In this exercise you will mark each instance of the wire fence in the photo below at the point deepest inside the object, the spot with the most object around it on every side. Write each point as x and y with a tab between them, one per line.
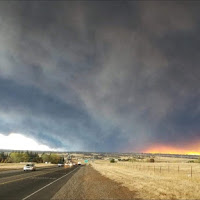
172	169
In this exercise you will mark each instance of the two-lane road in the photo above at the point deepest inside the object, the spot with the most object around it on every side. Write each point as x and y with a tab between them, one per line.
40	184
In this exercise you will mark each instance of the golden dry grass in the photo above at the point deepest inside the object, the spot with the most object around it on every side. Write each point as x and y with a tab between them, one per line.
13	166
141	178
172	159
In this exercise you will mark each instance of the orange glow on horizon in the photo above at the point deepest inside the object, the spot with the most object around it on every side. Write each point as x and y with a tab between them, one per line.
165	149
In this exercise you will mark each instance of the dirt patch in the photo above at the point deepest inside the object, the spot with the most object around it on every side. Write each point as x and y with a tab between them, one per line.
87	183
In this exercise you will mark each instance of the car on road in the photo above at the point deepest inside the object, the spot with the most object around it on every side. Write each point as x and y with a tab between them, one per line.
29	167
79	163
60	164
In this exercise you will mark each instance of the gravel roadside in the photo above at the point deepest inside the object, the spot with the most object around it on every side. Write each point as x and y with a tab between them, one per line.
87	183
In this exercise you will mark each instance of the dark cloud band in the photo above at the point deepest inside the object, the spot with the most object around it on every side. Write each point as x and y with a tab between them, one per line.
99	75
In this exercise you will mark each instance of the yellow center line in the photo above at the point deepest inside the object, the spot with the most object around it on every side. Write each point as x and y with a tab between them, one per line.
26	177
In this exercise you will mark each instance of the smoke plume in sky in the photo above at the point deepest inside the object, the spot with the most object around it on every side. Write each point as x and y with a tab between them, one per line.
101	76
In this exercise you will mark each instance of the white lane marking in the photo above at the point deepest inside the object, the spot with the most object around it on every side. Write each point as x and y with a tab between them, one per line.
23	176
42	178
49	184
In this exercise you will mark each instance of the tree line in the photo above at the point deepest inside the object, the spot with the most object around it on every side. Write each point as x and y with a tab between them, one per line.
16	157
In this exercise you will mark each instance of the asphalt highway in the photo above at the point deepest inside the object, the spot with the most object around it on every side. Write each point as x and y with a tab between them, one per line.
40	184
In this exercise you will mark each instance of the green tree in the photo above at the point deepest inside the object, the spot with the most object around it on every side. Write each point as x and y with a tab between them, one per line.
25	157
46	158
3	157
55	159
14	157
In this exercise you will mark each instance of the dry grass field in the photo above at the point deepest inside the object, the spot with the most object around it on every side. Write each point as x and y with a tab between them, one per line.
172	159
13	166
164	180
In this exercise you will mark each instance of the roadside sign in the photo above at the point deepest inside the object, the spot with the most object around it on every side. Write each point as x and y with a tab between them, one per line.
86	161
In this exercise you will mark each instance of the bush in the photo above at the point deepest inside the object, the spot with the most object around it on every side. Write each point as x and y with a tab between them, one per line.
151	160
112	160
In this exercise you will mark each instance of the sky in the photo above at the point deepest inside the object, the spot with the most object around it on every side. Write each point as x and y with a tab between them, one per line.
118	76
19	142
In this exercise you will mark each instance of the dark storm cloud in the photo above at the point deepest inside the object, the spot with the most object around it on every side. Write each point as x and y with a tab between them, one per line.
38	115
114	75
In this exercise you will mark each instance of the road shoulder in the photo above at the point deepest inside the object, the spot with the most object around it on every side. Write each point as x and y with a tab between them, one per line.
87	183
